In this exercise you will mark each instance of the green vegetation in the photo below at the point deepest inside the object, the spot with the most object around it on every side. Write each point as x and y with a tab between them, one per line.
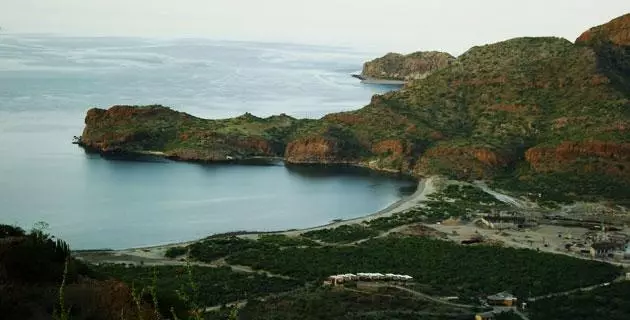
322	303
40	280
214	248
216	286
286	241
454	201
609	302
174	252
211	249
342	234
445	266
36	256
563	187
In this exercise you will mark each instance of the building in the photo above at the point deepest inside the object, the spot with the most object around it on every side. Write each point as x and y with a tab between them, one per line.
340	278
343	278
502	299
628	276
603	249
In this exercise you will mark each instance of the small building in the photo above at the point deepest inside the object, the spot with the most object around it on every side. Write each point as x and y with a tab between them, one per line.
628	276
502	299
603	249
339	279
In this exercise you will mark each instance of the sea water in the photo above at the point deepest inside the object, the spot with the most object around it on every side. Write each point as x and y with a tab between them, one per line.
47	83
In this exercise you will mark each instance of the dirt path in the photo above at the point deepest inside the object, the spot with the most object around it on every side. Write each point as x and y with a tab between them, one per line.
431	298
583	289
521	204
151	260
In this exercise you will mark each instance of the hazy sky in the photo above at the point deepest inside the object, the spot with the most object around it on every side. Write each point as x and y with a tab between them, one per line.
384	25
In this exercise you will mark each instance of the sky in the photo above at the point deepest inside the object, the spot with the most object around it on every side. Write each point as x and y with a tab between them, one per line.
385	25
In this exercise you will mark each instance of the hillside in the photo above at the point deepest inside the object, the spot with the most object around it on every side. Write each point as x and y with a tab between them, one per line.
542	113
40	280
417	65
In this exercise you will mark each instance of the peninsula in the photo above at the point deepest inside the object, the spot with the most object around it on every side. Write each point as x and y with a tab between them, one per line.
547	114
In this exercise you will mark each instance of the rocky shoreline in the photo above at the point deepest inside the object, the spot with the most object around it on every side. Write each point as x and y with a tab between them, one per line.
254	160
368	80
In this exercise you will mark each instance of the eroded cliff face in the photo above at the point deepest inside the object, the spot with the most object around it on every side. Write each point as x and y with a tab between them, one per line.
395	66
121	127
603	157
334	146
462	162
314	150
617	32
611	42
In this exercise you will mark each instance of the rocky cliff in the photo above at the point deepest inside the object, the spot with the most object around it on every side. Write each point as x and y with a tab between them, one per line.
178	135
417	65
526	107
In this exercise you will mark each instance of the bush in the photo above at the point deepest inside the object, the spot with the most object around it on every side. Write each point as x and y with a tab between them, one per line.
342	234
174	252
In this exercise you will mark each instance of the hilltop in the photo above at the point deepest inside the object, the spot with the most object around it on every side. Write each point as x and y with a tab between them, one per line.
539	114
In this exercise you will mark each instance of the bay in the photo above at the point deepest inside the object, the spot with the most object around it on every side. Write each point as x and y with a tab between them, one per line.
47	83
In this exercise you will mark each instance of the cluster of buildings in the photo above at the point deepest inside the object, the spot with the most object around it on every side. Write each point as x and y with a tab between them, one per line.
602	245
341	278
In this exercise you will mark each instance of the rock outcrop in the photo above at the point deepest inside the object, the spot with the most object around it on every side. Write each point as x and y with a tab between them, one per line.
413	66
160	130
616	31
597	157
536	106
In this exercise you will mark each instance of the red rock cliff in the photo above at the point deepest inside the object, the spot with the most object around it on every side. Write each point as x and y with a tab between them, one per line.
314	150
617	31
584	157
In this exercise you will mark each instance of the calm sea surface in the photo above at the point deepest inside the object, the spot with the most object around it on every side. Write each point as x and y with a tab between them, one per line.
47	84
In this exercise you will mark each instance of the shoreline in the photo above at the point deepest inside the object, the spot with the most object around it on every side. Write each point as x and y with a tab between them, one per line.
369	80
425	187
259	160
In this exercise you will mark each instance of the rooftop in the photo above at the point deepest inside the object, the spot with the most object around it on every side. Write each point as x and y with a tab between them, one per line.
502	296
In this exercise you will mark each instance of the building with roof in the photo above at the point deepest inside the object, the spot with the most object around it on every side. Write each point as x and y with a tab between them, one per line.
604	249
502	299
365	276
